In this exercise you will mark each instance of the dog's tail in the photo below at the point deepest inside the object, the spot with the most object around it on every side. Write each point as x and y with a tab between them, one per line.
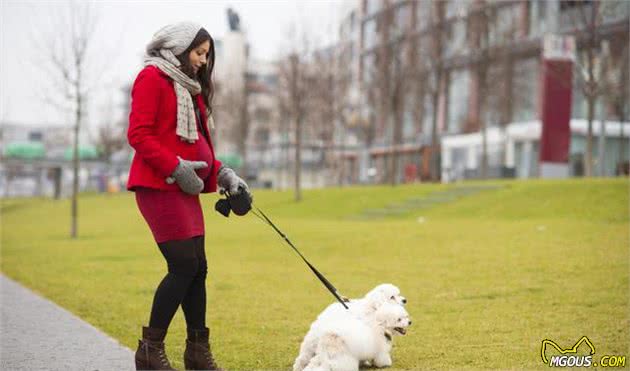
332	354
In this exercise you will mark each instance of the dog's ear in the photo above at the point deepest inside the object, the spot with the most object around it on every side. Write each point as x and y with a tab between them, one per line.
387	314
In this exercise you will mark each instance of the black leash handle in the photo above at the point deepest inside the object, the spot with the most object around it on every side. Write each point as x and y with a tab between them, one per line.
321	277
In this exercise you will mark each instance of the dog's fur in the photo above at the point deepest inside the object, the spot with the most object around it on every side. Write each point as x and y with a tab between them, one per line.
339	339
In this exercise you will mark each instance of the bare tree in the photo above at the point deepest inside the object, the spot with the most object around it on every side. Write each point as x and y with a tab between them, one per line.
110	135
504	85
325	105
284	117
294	77
394	80
69	47
434	47
403	70
586	19
615	84
619	100
481	20
226	111
329	108
244	125
232	111
298	95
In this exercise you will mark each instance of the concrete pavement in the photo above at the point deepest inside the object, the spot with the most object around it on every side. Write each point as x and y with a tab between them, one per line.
37	334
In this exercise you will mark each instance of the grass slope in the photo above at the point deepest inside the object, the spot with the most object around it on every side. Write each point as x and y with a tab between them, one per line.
488	274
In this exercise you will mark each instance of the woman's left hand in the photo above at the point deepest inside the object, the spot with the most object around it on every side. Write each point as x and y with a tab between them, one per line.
232	183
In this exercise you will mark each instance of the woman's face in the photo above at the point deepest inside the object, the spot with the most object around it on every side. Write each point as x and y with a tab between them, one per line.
197	56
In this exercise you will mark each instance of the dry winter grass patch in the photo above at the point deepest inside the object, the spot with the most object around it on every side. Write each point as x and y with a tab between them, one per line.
488	274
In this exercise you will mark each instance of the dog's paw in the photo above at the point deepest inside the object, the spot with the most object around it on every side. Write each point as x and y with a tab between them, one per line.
383	360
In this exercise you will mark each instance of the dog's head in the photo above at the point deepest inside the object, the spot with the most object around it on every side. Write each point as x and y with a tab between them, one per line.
385	293
393	319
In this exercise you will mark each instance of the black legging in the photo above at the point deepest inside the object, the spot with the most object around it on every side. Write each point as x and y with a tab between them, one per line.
185	284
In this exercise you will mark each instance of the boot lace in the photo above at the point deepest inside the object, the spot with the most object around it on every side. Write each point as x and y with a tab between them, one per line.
161	353
209	358
163	359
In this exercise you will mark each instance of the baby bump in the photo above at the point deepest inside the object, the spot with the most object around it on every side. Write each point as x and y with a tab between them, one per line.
203	153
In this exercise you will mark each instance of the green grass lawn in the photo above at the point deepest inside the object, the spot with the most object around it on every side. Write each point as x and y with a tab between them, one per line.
488	274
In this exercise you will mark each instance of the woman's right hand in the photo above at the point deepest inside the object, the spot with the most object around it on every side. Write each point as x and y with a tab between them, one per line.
186	177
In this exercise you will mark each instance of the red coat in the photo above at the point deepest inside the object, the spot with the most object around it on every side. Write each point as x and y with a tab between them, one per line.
151	132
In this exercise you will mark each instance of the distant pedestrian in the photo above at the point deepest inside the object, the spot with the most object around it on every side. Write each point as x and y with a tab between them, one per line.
174	162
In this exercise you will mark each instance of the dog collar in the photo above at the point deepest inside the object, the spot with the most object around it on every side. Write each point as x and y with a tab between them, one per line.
388	336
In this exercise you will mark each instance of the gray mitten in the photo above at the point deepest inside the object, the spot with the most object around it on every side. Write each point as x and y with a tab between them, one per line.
186	177
228	180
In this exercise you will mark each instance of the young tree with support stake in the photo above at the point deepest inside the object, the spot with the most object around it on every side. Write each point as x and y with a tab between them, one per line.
70	49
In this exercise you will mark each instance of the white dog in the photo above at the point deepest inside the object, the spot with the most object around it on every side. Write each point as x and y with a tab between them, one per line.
362	312
381	294
346	341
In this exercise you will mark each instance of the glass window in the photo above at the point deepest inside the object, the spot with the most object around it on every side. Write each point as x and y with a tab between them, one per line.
507	20
368	68
575	14
457	8
262	114
525	89
402	20
613	10
218	48
495	95
36	136
423	14
352	21
372	6
456	43
458	100
427	118
370	33
578	100
408	118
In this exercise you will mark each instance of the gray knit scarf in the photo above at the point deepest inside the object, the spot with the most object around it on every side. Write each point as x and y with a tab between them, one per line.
166	43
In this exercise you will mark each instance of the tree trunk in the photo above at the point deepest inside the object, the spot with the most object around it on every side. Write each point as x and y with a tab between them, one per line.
482	123
75	168
434	127
393	159
588	158
621	104
621	144
298	158
341	164
601	146
296	99
244	128
484	150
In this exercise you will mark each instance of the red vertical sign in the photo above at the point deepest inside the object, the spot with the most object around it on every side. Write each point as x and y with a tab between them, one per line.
555	108
556	111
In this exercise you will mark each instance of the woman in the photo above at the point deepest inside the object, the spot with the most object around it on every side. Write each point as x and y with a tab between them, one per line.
174	162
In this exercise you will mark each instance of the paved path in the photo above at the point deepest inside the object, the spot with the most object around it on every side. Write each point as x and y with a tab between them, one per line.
426	201
37	334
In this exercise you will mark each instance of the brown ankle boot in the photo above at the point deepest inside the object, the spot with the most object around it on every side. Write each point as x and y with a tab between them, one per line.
198	355
151	354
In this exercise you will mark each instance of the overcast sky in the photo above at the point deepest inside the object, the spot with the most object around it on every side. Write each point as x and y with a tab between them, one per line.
124	28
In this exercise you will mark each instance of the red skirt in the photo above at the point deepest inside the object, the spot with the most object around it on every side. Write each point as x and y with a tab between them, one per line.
170	215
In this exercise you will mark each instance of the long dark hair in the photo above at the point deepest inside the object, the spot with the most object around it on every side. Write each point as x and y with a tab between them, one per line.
204	75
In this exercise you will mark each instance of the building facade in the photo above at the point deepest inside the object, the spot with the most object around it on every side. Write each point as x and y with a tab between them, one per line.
437	69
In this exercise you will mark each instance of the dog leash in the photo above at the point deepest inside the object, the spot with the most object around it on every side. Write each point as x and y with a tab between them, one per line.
321	277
